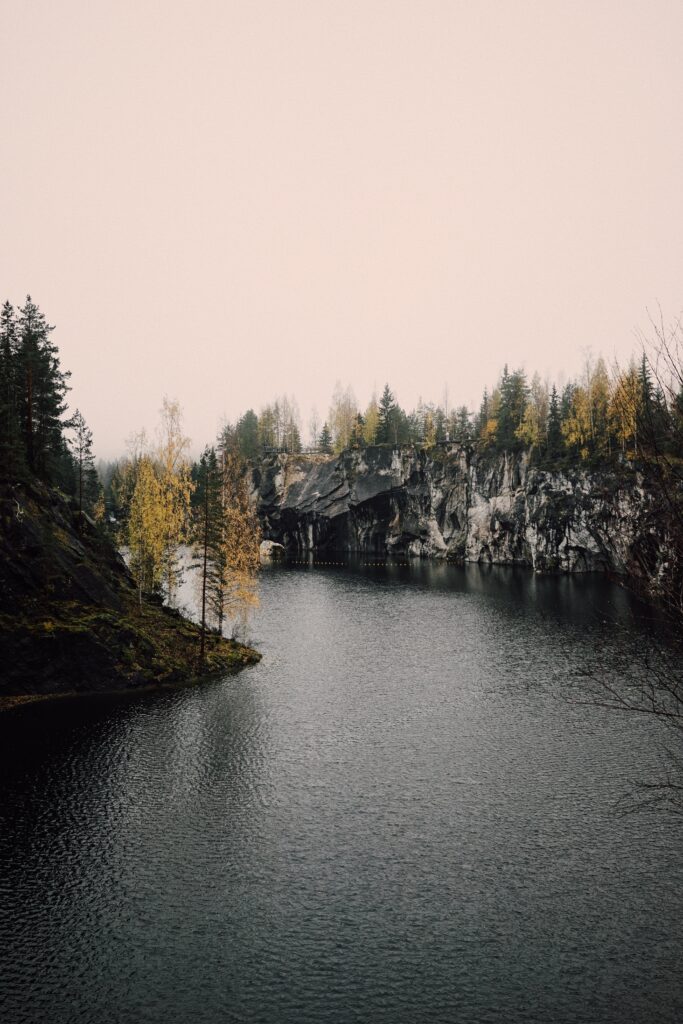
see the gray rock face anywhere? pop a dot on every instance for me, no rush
(455, 504)
(270, 550)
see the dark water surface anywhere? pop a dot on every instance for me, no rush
(396, 817)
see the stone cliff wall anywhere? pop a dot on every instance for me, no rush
(456, 504)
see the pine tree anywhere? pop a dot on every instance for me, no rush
(513, 400)
(387, 416)
(87, 488)
(42, 390)
(11, 451)
(462, 425)
(554, 436)
(483, 414)
(325, 440)
(207, 539)
(358, 436)
(247, 435)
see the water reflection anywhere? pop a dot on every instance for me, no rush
(392, 818)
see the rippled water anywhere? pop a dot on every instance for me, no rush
(396, 817)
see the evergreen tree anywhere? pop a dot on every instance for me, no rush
(206, 538)
(483, 414)
(386, 411)
(554, 436)
(462, 425)
(440, 420)
(11, 452)
(42, 390)
(358, 435)
(513, 400)
(87, 484)
(599, 404)
(654, 424)
(325, 441)
(247, 435)
(267, 432)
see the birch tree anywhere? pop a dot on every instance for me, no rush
(175, 490)
(146, 529)
(235, 593)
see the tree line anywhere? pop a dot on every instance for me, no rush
(598, 415)
(161, 501)
(153, 502)
(36, 439)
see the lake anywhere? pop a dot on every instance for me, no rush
(398, 816)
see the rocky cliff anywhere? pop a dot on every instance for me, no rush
(456, 504)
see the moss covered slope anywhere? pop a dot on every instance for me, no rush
(70, 619)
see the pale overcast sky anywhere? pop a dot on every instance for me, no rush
(222, 201)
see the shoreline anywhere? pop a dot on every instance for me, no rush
(8, 702)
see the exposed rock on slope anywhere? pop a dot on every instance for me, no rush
(455, 504)
(69, 613)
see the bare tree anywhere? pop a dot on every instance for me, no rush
(644, 673)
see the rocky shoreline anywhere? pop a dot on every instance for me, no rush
(458, 504)
(70, 618)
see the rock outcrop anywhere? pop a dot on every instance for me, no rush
(456, 504)
(70, 617)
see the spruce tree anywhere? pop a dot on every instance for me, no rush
(206, 537)
(42, 387)
(247, 435)
(554, 437)
(387, 415)
(325, 441)
(358, 436)
(513, 400)
(483, 414)
(87, 488)
(11, 451)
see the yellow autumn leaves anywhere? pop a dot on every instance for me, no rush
(156, 489)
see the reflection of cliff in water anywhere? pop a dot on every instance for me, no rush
(572, 598)
(393, 814)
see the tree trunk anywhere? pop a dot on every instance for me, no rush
(202, 650)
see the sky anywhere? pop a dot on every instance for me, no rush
(222, 202)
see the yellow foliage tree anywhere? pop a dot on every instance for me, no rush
(175, 490)
(429, 429)
(577, 427)
(146, 529)
(624, 407)
(237, 563)
(489, 427)
(600, 392)
(371, 421)
(533, 427)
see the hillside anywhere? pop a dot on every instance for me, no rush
(70, 619)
